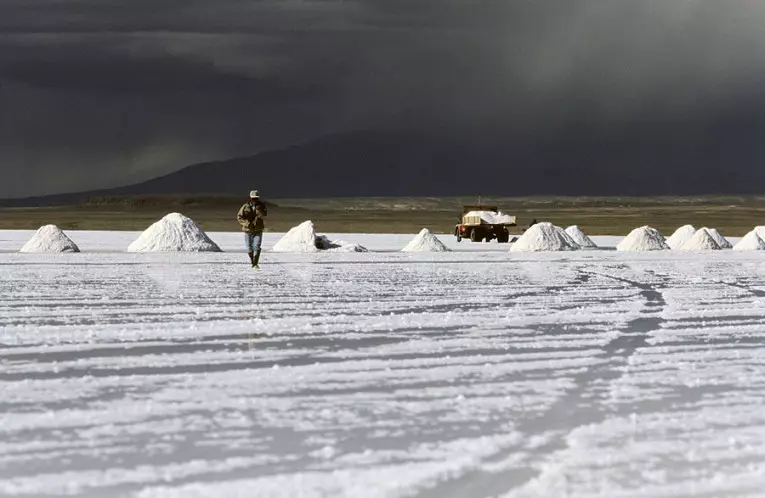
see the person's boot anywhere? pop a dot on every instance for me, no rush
(252, 260)
(256, 259)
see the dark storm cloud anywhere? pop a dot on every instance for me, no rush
(99, 92)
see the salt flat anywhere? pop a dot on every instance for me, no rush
(467, 374)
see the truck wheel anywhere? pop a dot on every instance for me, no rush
(474, 237)
(503, 238)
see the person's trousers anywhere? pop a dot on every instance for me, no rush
(253, 241)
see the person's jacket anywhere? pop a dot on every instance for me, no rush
(251, 215)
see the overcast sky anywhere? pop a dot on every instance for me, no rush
(96, 93)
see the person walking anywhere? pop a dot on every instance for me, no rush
(250, 217)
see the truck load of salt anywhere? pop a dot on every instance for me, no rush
(680, 236)
(50, 239)
(702, 240)
(544, 236)
(721, 241)
(750, 242)
(644, 238)
(174, 233)
(491, 217)
(425, 241)
(303, 239)
(580, 237)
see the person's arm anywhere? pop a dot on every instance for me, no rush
(262, 210)
(242, 218)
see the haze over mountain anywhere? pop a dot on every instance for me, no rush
(557, 96)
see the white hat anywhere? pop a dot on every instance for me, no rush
(254, 194)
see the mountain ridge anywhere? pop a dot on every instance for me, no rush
(396, 164)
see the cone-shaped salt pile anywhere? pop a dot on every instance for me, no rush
(301, 238)
(174, 233)
(425, 242)
(580, 237)
(50, 238)
(721, 241)
(750, 242)
(544, 236)
(644, 238)
(702, 240)
(680, 236)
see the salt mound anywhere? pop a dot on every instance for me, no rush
(342, 246)
(580, 237)
(644, 238)
(50, 238)
(425, 242)
(323, 243)
(721, 241)
(174, 233)
(760, 231)
(544, 236)
(680, 236)
(303, 238)
(750, 242)
(702, 240)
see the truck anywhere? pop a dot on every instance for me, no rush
(483, 223)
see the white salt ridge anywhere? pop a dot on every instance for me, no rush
(641, 239)
(750, 242)
(425, 242)
(702, 240)
(721, 241)
(303, 239)
(544, 236)
(174, 233)
(580, 237)
(760, 231)
(50, 239)
(681, 236)
(493, 218)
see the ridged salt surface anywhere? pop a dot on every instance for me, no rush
(303, 239)
(641, 239)
(750, 242)
(681, 236)
(580, 237)
(174, 233)
(425, 241)
(702, 240)
(50, 239)
(544, 236)
(580, 374)
(721, 241)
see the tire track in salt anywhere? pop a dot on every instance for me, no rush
(571, 411)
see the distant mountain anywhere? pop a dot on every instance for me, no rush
(383, 164)
(358, 164)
